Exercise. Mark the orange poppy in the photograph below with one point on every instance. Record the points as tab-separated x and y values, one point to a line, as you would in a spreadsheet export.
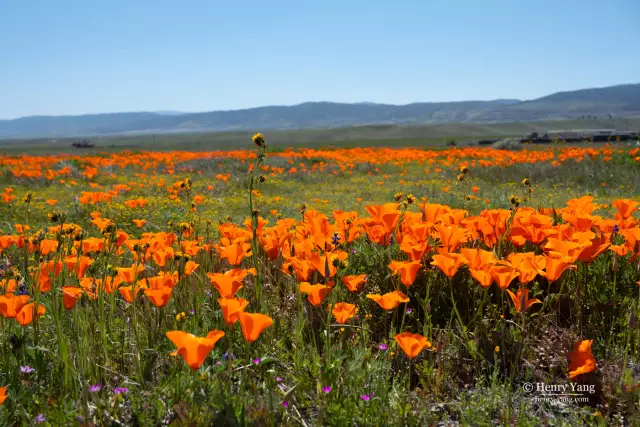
8	286
129	274
324	264
478	259
504	275
252	325
581	360
483	276
194	349
354	283
190	267
48	246
26	315
343	311
390	300
48	270
448	263
316	293
235	252
556	264
528	265
231	308
412	344
78	265
159	296
3	395
625	207
70	295
408	270
127	291
229	282
139	222
10	305
521	300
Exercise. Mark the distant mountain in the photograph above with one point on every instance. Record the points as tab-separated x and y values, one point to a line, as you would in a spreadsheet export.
620	101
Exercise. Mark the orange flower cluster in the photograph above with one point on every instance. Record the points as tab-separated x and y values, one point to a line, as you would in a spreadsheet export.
324	160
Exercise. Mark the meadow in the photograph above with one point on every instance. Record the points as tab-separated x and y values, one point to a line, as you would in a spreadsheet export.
345	285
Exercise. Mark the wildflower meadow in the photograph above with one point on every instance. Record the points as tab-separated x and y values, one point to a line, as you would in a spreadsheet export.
321	286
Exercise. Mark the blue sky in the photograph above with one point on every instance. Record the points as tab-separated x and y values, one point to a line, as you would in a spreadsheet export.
75	57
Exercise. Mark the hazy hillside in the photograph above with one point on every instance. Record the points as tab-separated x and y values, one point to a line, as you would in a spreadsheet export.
621	101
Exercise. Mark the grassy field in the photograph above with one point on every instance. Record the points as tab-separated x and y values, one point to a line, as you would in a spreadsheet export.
206	281
362	136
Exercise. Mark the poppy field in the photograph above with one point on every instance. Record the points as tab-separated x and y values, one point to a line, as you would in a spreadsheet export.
321	286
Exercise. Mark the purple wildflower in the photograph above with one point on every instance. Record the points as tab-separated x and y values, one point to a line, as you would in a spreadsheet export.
119	390
95	388
40	419
409	310
365	397
327	389
192	311
278	379
382	347
285	404
257	360
26	369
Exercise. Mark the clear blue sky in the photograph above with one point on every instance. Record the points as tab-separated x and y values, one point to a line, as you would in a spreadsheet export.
90	56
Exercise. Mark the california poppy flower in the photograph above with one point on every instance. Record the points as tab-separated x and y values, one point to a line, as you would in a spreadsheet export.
10	305
407	270
556	264
252	325
581	360
129	274
127	291
78	265
324	264
139	222
235	251
229	282
316	293
521	300
231	308
70	295
412	344
29	311
527	264
48	246
3	395
414	249
190	267
8	286
625	207
194	349
343	311
390	300
478	259
504	275
448	263
159	296
354	283
48	270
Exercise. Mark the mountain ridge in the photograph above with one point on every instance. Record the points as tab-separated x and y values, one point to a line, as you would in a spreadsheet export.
619	100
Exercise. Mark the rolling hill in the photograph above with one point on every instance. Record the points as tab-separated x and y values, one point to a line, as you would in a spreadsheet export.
620	101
